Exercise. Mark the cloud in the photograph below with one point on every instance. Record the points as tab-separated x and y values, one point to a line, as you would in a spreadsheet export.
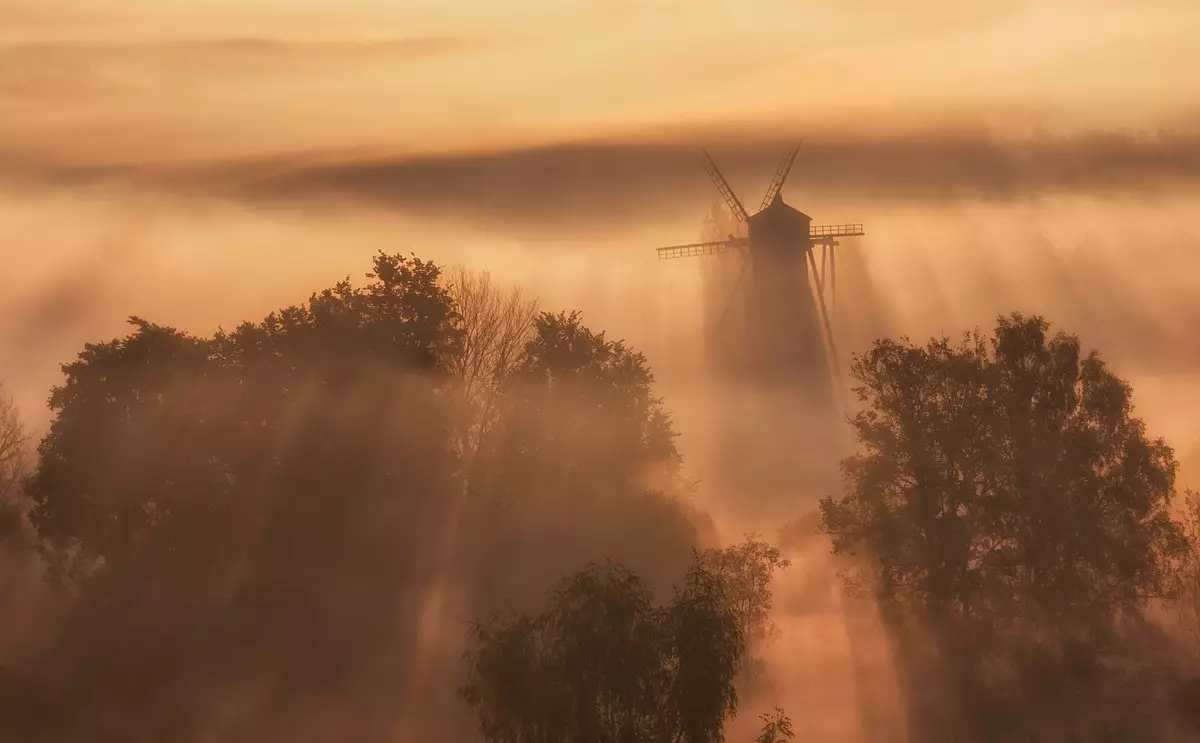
590	185
235	48
48	70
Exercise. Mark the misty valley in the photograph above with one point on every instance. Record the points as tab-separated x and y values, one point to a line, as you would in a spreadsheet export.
508	372
418	507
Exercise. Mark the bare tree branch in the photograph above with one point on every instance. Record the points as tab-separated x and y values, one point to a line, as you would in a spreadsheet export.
12	446
496	324
12	465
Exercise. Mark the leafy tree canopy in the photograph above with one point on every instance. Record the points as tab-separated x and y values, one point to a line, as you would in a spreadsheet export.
1004	483
156	428
580	465
260	499
776	727
604	664
747	569
269	503
577	386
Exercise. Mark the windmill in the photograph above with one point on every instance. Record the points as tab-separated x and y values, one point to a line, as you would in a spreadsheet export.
785	348
787	341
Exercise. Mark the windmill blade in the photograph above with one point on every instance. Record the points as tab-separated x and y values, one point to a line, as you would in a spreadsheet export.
735	206
781	174
696	249
837	366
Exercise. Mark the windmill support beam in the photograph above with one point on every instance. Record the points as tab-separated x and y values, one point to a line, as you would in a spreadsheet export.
837	367
833	282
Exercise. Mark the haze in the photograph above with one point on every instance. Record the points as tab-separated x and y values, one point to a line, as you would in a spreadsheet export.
154	81
201	163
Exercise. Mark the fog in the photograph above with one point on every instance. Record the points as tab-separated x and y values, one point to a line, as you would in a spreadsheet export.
1116	269
1119	270
202	164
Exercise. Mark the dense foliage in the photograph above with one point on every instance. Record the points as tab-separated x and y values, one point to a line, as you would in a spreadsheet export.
603	664
251	505
581	456
265	513
1006	500
253	532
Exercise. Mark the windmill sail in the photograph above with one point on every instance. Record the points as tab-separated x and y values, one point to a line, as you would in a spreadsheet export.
780	178
734	203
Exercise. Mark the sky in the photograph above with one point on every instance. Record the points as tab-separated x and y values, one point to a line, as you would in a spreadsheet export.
135	80
204	162
199	164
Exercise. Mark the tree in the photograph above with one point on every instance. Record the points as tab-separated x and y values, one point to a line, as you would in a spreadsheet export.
152	431
777	728
748	568
1188	600
576	386
581	452
1004	494
107	483
265	507
719	223
496	327
1188	702
12	466
603	664
258	504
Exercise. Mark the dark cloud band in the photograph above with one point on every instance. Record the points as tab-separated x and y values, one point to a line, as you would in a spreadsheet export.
589	185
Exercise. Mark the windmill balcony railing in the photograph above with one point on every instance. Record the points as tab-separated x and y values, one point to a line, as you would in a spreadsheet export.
835	230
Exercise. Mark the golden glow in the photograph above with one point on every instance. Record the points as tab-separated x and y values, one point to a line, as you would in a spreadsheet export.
87	83
140	79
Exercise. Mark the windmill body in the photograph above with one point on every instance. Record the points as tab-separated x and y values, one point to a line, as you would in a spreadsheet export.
773	343
790	348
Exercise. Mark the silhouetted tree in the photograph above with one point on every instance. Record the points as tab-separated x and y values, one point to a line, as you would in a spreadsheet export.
122	470
1188	702
580	466
1188	599
1005	496
260	514
496	328
719	223
22	707
12	466
748	568
603	664
257	506
595	390
777	728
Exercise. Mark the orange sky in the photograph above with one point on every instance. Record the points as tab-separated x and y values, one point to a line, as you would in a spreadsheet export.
134	83
1097	232
154	79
